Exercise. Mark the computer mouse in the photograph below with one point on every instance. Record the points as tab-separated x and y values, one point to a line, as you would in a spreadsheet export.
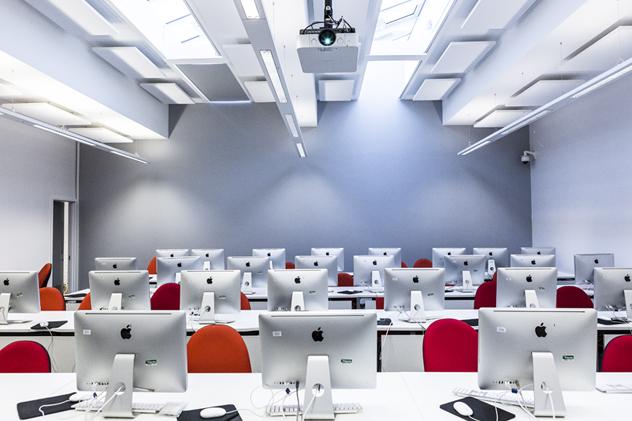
463	409
44	324
78	397
213	413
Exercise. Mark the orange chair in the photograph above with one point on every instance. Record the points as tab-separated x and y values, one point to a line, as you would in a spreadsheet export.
44	274
166	297
485	295
422	263
450	345
151	267
245	302
51	299
345	279
290	265
86	303
570	296
217	349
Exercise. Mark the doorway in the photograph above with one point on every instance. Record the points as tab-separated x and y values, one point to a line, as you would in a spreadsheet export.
63	218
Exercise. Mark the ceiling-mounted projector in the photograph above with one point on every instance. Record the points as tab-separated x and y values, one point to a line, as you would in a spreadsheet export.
330	46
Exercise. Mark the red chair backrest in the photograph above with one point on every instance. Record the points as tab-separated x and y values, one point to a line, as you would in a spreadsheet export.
151	267
379	303
217	349
422	263
290	265
86	303
345	279
51	299
617	357
485	295
44	274
404	265
450	345
24	357
166	297
570	296
245	302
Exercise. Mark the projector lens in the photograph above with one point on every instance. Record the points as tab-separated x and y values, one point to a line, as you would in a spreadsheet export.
327	37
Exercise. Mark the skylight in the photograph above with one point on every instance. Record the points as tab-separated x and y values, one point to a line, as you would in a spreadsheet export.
170	26
407	27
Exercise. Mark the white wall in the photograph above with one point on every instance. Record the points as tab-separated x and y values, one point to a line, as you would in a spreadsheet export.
35	168
581	182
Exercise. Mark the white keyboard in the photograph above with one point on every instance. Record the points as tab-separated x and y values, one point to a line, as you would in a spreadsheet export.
614	388
290	410
503	397
93	405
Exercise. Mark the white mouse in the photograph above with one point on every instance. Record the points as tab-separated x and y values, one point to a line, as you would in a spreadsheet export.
212	413
77	397
463	409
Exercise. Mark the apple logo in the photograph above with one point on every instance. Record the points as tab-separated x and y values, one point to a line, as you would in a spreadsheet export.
596	261
297	280
533	262
208	255
539	253
317	335
540	331
269	254
316	263
449	253
529	278
209	280
465	263
117	282
179	264
415	279
327	254
247	264
627	278
115	266
126	332
384	254
6	282
490	253
375	263
172	255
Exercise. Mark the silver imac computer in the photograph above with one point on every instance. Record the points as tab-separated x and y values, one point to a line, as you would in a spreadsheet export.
277	257
172	252
613	290
120	351
254	271
585	265
396	252
544	350
168	268
320	262
119	290
215	294
414	290
537	250
339	252
318	351
439	254
19	293
115	263
526	287
497	257
532	261
467	270
368	271
213	258
298	290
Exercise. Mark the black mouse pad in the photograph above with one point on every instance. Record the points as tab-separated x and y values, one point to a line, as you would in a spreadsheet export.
384	322
30	409
194	414
51	325
608	322
471	322
482	410
349	292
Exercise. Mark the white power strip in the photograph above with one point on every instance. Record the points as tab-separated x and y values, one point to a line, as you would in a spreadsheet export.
290	410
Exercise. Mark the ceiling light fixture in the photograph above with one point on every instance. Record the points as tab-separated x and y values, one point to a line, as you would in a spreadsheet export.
301	150
48	113
273	74
289	119
86	17
250	9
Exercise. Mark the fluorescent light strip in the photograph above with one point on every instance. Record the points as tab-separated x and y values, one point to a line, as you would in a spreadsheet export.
603	82
301	150
289	118
250	9
273	74
63	134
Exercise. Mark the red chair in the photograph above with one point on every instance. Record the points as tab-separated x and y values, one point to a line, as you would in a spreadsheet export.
217	349
151	267
345	279
379	303
44	274
450	345
485	295
86	303
617	357
24	357
290	265
404	265
573	297
166	297
245	302
51	300
422	263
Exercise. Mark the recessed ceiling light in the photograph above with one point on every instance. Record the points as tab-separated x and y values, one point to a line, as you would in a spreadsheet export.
290	124
273	74
167	93
301	150
101	134
48	113
130	61
250	9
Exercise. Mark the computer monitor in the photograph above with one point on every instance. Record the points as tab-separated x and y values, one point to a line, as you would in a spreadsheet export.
532	261
168	268
396	252
467	270
298	290
497	257
613	289
19	293
254	270
119	290
547	350
526	287
277	257
339	252
439	254
537	250
585	265
369	270
212	294
415	290
172	252
120	351
318	351
213	258
115	263
320	262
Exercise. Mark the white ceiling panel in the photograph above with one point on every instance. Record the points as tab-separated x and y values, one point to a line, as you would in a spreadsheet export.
335	90
48	113
167	93
458	57
243	59
259	91
9	91
494	14
604	51
130	61
500	118
435	89
543	91
101	134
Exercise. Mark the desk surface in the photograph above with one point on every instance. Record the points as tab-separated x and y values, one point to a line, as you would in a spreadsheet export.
398	396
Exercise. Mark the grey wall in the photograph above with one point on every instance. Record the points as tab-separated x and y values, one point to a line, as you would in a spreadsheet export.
581	184
35	168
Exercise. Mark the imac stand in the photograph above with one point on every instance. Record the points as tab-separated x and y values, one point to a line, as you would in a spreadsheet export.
207	266
298	301
178	277
121	377
318	389
547	393
628	302
491	268
531	299
246	283
376	281
207	308
5	299
116	301
417	311
468	285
